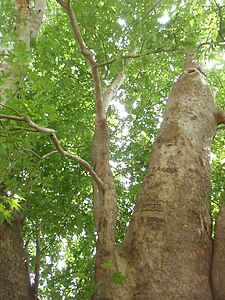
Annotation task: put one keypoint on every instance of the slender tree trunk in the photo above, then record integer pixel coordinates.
(14, 277)
(218, 261)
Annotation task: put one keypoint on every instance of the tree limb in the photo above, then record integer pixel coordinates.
(73, 157)
(109, 93)
(27, 120)
(79, 160)
(88, 55)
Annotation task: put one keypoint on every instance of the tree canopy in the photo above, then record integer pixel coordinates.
(148, 40)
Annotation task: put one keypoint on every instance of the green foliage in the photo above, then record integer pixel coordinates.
(57, 92)
(8, 206)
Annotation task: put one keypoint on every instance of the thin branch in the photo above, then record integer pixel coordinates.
(73, 157)
(106, 63)
(129, 56)
(76, 32)
(48, 154)
(37, 155)
(11, 108)
(62, 3)
(154, 6)
(37, 262)
(21, 128)
(79, 160)
(155, 51)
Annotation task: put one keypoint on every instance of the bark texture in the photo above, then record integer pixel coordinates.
(218, 261)
(14, 277)
(168, 246)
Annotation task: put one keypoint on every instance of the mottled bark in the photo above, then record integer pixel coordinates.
(218, 260)
(168, 244)
(170, 231)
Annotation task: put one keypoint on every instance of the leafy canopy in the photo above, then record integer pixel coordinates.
(57, 92)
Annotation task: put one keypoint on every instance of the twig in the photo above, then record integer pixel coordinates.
(106, 63)
(155, 51)
(37, 155)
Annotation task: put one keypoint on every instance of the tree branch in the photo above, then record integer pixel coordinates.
(37, 262)
(154, 6)
(37, 155)
(87, 54)
(73, 157)
(37, 16)
(129, 56)
(109, 93)
(79, 160)
(27, 120)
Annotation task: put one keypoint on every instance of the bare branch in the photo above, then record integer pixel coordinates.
(62, 3)
(88, 55)
(155, 51)
(76, 32)
(79, 160)
(48, 154)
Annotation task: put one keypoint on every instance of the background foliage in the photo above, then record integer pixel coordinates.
(57, 92)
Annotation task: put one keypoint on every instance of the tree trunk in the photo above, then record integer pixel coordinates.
(166, 253)
(169, 238)
(14, 277)
(218, 260)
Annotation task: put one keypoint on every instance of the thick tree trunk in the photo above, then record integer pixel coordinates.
(169, 238)
(167, 250)
(14, 277)
(218, 260)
